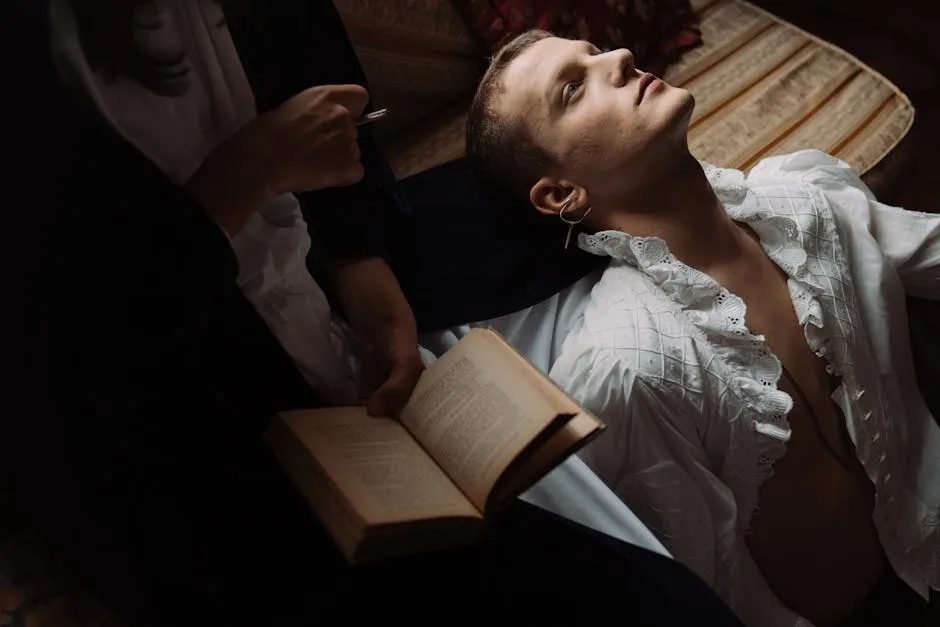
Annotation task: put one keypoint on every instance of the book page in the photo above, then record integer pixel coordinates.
(378, 466)
(552, 391)
(475, 410)
(332, 508)
(573, 436)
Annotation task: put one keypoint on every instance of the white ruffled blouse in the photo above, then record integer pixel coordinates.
(662, 354)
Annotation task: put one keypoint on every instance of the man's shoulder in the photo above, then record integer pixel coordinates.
(791, 186)
(628, 323)
(626, 296)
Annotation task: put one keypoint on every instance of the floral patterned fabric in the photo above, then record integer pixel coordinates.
(657, 31)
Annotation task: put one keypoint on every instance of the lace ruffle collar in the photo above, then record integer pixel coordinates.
(701, 295)
(752, 370)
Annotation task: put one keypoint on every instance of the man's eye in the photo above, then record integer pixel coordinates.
(571, 90)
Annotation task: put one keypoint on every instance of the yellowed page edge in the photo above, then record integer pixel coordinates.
(331, 507)
(579, 431)
(475, 410)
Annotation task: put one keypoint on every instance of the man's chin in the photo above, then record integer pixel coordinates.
(684, 107)
(684, 100)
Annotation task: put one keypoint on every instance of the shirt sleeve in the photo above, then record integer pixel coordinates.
(357, 221)
(910, 240)
(280, 45)
(652, 458)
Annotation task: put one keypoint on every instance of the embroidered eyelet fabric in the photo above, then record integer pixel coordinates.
(663, 355)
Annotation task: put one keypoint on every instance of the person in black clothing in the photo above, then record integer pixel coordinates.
(149, 374)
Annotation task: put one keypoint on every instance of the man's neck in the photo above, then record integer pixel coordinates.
(683, 210)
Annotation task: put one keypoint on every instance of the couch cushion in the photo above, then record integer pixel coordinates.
(763, 87)
(418, 56)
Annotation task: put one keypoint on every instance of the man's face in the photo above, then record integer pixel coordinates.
(606, 123)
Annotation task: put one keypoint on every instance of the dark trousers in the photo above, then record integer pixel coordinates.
(236, 545)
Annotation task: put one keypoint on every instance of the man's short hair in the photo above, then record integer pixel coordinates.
(501, 152)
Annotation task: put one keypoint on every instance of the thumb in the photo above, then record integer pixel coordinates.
(387, 400)
(353, 98)
(393, 394)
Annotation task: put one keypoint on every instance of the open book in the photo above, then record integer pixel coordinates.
(481, 427)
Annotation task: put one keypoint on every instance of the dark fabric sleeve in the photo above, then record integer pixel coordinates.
(292, 45)
(358, 220)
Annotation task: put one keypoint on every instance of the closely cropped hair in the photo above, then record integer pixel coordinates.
(505, 160)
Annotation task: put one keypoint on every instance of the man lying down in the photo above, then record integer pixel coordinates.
(747, 344)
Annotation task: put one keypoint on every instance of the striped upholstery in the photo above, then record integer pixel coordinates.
(762, 87)
(418, 56)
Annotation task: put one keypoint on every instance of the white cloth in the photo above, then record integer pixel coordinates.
(663, 356)
(538, 332)
(179, 132)
(572, 490)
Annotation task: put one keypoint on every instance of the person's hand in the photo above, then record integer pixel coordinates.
(310, 142)
(391, 365)
(385, 327)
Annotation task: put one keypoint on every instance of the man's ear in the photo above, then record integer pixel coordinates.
(550, 196)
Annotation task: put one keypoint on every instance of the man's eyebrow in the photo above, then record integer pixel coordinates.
(591, 48)
(551, 83)
(566, 69)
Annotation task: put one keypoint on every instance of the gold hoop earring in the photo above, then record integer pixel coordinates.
(571, 223)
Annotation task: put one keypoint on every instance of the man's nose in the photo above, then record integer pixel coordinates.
(622, 66)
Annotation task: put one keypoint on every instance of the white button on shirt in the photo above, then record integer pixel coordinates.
(696, 421)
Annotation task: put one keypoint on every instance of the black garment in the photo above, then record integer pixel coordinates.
(476, 260)
(247, 552)
(144, 379)
(459, 257)
(893, 604)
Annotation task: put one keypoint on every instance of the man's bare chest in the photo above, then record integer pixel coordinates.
(817, 425)
(813, 526)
